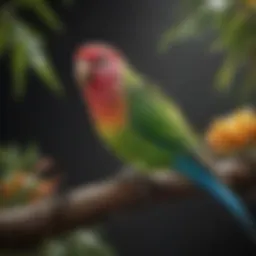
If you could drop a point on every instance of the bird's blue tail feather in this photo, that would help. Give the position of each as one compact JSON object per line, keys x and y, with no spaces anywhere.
{"x":196,"y":172}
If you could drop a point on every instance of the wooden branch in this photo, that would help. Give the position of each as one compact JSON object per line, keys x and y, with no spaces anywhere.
{"x":29,"y":225}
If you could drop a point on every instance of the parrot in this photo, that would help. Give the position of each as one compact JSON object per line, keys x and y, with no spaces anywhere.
{"x":142,"y":126}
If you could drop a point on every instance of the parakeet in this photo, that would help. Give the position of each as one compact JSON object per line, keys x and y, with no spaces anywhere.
{"x":142,"y":126}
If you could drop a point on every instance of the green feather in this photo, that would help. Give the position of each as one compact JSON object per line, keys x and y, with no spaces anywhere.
{"x":157,"y":135}
{"x":156,"y":129}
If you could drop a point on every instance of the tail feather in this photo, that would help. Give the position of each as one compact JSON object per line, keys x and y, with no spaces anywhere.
{"x":198,"y":173}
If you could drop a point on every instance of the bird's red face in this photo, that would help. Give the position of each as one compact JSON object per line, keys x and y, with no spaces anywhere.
{"x":95,"y":60}
{"x":98,"y":70}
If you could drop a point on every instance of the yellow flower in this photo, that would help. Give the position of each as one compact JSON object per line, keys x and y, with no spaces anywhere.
{"x":232,"y":133}
{"x":250,"y":3}
{"x":246,"y":121}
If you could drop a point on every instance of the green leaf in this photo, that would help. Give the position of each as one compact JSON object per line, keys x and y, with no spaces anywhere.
{"x":43,"y":10}
{"x":10,"y":158}
{"x":233,"y":32}
{"x":249,"y":85}
{"x":13,"y":157}
{"x":54,"y":248}
{"x":19,"y":66}
{"x":30,"y":156}
{"x":35,"y":56}
{"x":42,"y":65}
{"x":218,"y":7}
{"x":3,"y":39}
{"x":27,"y":46}
{"x":226,"y":73}
{"x":5,"y":33}
{"x":190,"y":27}
{"x":19,"y":57}
{"x":186,"y":8}
{"x":47,"y":15}
{"x":87,"y":242}
{"x":191,"y":5}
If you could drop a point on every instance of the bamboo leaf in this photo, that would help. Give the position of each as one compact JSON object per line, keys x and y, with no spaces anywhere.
{"x":36,"y":57}
{"x":87,"y":242}
{"x":28,"y":49}
{"x":226,"y":73}
{"x":3,"y":39}
{"x":232,"y":30}
{"x":249,"y":86}
{"x":11,"y":158}
{"x":186,"y":8}
{"x":193,"y":25}
{"x":191,"y":5}
{"x":19,"y":64}
{"x":30,"y":157}
{"x":5,"y":34}
{"x":218,"y":6}
{"x":47,"y":15}
{"x":55,"y":248}
{"x":25,"y":3}
{"x":43,"y":10}
{"x":42,"y":65}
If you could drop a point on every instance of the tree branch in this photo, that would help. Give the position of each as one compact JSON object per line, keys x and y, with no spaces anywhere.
{"x":29,"y":225}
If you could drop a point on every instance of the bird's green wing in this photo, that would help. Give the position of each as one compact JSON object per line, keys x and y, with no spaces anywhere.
{"x":156,"y":117}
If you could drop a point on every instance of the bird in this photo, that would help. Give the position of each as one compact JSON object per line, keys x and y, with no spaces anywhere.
{"x":142,"y":126}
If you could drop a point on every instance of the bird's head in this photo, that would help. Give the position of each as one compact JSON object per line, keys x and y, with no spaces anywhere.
{"x":96,"y":61}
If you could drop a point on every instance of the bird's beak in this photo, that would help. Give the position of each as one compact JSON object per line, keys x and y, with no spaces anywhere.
{"x":81,"y":72}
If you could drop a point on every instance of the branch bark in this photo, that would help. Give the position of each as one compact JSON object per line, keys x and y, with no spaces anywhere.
{"x":27,"y":226}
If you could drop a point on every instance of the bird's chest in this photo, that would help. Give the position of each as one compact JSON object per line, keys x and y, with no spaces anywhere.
{"x":110,"y":117}
{"x":107,"y":110}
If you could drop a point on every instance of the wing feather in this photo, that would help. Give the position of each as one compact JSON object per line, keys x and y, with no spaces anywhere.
{"x":156,"y":117}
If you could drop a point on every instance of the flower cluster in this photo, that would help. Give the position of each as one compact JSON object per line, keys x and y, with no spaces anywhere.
{"x":24,"y":187}
{"x":233,"y":132}
{"x":23,"y":176}
{"x":251,"y":3}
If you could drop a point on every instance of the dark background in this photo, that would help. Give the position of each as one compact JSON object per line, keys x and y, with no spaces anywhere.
{"x":61,"y":128}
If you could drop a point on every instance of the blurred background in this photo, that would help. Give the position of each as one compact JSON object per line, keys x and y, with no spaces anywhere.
{"x":60,"y":127}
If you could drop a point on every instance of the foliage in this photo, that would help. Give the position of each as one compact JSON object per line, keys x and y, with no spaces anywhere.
{"x":233,"y":23}
{"x":25,"y":45}
{"x":78,"y":243}
{"x":22,"y":182}
{"x":20,"y":179}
